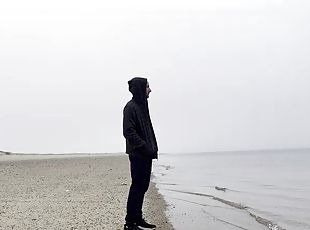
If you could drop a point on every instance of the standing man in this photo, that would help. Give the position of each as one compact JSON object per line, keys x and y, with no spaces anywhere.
{"x":142,"y":148}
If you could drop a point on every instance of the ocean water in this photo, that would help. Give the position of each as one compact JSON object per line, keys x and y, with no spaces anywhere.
{"x":236,"y":190}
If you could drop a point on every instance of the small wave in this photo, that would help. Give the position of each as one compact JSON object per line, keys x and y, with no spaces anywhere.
{"x":191,"y":193}
{"x":166,"y":183}
{"x":266,"y":222}
{"x":230,"y":203}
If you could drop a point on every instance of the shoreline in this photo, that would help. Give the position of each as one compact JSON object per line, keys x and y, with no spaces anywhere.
{"x":87,"y":191}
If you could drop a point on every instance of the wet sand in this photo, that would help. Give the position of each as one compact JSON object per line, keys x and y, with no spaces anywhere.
{"x":70,"y":192}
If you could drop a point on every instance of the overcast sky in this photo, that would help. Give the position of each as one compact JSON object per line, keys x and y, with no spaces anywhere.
{"x":225,"y":74}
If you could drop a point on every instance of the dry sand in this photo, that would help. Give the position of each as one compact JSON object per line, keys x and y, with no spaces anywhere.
{"x":69,"y":192}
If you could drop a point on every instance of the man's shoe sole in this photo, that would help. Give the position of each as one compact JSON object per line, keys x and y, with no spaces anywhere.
{"x":143,"y":228}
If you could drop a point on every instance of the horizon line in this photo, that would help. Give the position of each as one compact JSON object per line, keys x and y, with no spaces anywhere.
{"x":92,"y":153}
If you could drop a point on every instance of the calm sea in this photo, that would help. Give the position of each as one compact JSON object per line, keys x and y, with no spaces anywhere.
{"x":236,"y":190}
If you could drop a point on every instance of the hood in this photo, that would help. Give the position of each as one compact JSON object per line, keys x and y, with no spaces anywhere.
{"x":137,"y":86}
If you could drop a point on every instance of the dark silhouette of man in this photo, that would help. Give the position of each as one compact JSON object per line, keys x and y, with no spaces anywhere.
{"x":141,"y":146}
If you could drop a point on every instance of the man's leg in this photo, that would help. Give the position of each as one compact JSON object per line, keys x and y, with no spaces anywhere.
{"x":140,"y":174}
{"x":145,"y":182}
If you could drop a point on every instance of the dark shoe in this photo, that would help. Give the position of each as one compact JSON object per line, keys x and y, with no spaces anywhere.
{"x":142,"y":223}
{"x":131,"y":227}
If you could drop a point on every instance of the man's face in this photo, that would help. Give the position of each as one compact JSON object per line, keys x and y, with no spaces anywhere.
{"x":148,"y":90}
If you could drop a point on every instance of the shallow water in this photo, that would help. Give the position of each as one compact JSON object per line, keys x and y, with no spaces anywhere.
{"x":255,"y":189}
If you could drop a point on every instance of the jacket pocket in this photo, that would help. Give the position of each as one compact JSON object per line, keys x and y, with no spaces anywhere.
{"x":145,"y":150}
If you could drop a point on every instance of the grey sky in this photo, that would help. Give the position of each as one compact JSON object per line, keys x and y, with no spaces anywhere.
{"x":225,"y":75}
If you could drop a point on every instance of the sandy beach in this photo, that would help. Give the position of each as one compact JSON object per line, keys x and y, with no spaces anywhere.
{"x":70,"y":192}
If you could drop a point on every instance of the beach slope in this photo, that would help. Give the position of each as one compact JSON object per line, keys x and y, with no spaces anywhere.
{"x":70,"y":192}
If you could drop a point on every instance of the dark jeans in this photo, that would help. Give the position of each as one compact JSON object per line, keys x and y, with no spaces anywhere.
{"x":140,"y":169}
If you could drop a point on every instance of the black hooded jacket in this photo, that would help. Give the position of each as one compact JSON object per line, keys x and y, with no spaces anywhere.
{"x":137,"y":125}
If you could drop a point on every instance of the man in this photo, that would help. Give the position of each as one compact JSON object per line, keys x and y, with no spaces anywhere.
{"x":142,"y":147}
